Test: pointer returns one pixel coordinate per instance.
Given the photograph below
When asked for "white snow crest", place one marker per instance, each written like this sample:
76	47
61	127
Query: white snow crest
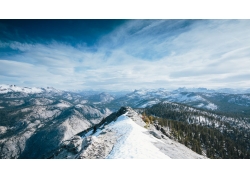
133	142
62	105
13	88
211	106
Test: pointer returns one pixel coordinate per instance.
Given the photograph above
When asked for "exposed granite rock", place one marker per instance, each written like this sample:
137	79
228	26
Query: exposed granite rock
155	134
91	147
74	144
99	147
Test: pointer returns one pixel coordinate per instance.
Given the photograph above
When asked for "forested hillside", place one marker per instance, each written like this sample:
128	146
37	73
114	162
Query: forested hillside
213	135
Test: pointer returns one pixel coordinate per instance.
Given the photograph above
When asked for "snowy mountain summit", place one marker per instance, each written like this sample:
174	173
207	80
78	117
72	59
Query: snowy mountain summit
123	135
4	89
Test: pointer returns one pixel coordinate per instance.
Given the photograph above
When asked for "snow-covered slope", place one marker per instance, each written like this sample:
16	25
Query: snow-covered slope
133	141
101	98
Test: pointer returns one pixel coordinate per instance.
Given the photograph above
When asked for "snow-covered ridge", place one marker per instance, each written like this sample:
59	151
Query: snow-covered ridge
134	141
124	137
29	90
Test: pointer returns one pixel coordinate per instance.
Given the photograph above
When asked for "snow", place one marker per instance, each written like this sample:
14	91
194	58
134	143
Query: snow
246	97
13	88
84	101
15	102
96	102
133	142
79	106
41	101
208	106
211	106
62	105
243	100
200	105
180	97
141	92
74	125
29	90
123	138
150	103
3	129
202	119
51	89
39	112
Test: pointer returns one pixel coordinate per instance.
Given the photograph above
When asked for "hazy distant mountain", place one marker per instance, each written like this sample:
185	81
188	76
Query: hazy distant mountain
221	102
222	90
101	98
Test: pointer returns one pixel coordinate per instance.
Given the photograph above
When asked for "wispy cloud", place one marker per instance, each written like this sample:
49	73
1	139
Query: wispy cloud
139	54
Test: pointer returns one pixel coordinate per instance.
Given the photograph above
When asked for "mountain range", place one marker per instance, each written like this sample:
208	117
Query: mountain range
51	123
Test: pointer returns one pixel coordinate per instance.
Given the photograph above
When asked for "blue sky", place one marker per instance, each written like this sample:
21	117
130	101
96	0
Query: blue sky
125	54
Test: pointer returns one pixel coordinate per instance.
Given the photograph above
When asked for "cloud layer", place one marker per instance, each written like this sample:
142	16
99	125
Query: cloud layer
138	54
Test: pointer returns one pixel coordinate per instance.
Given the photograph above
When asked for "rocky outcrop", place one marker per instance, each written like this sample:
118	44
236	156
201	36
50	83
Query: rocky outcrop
68	149
155	134
99	147
91	147
137	118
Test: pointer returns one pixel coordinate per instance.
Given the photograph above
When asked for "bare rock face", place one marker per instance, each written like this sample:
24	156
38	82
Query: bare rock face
73	145
155	134
68	149
99	147
90	147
